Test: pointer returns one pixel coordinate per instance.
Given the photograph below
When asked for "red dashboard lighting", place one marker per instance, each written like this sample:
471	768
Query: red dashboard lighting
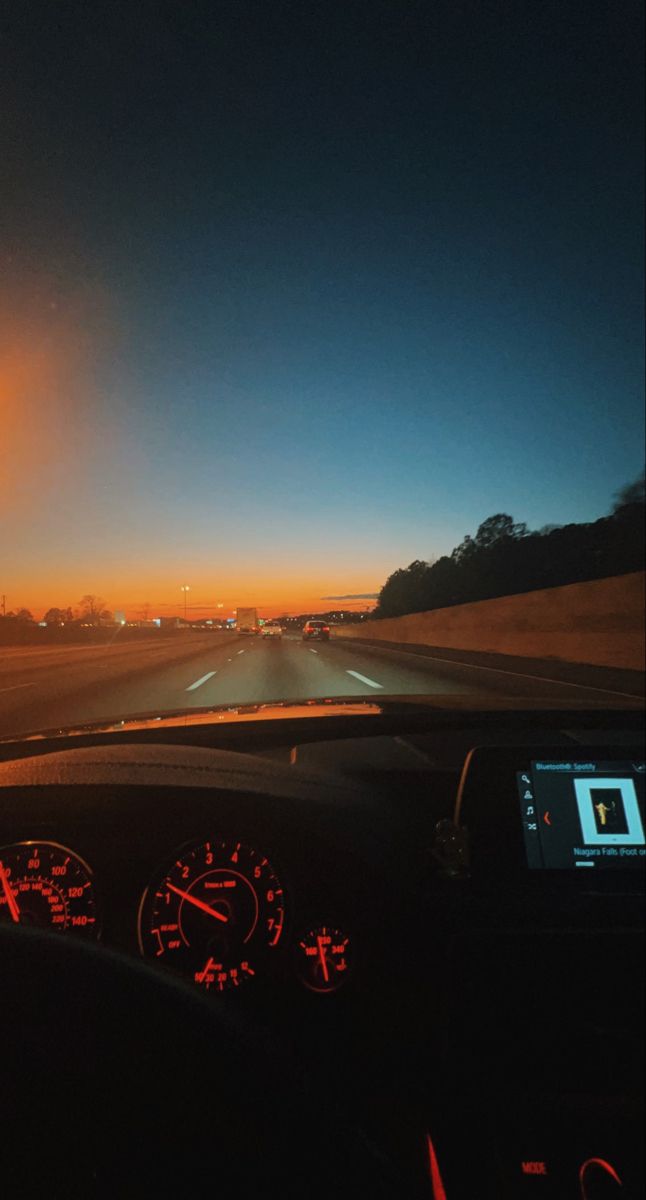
603	1166
534	1167
437	1185
10	898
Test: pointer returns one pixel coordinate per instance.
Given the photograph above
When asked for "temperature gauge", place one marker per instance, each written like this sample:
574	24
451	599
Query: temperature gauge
323	958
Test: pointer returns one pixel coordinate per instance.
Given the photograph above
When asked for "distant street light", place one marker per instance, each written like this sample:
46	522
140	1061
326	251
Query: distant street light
186	589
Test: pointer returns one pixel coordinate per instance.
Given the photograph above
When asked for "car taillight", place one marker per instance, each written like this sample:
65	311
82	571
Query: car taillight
326	629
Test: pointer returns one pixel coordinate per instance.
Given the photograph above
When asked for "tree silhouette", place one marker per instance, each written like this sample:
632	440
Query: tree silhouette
464	551
633	495
92	608
497	529
58	616
24	616
504	558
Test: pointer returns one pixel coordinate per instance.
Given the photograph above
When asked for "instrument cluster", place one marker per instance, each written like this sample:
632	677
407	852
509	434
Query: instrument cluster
215	912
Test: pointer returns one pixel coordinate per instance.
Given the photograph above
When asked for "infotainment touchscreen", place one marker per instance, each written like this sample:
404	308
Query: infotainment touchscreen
587	816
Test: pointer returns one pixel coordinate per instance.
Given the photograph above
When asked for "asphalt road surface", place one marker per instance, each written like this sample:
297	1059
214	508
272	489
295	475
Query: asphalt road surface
44	689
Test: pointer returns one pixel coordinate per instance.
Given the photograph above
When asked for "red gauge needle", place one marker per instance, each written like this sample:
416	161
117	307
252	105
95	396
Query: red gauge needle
11	899
198	903
201	975
326	973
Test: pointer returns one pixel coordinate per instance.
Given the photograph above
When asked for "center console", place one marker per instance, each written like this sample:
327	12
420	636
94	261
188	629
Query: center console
552	938
536	818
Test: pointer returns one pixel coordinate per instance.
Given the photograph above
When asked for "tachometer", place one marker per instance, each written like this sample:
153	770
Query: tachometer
214	914
42	883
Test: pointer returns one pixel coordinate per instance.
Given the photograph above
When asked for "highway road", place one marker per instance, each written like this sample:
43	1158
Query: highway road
42	689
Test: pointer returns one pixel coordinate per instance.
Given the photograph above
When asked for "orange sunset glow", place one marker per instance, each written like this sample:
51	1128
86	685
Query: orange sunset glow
270	597
75	481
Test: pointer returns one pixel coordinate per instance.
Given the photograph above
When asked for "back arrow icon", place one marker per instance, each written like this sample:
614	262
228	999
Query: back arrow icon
546	818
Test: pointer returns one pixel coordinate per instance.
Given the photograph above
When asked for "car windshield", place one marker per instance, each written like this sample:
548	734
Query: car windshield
326	313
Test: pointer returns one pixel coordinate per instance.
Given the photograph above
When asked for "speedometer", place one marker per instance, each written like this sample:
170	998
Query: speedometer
214	914
42	883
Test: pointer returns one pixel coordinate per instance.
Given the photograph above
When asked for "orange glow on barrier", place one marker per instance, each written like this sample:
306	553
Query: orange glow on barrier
437	1185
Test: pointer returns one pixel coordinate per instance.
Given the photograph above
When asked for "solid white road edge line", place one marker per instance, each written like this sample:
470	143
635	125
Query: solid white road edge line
453	662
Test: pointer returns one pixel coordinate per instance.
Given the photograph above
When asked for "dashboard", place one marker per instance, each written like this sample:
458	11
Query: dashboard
456	925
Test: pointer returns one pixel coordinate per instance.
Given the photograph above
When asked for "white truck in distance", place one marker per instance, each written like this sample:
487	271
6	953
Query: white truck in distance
247	620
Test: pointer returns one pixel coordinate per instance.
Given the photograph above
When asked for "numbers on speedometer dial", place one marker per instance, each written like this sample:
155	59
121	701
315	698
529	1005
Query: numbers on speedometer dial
214	914
44	884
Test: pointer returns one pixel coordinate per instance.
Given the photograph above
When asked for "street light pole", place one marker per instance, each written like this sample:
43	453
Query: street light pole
185	589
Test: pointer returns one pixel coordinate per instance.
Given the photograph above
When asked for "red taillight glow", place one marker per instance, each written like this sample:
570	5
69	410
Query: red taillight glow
326	629
437	1186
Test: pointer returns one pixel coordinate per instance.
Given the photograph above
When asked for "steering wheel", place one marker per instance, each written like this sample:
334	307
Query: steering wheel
116	1079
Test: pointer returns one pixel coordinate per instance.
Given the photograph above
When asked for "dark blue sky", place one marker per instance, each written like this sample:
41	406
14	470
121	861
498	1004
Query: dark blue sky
371	271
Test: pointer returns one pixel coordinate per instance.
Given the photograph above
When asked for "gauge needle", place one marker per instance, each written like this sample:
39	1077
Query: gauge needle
198	903
201	975
11	899
326	973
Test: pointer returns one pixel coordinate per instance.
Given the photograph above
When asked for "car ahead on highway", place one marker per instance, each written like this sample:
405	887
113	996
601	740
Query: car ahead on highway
316	630
272	630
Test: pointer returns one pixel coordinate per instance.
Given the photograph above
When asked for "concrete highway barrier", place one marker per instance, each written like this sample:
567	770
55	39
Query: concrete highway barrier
600	623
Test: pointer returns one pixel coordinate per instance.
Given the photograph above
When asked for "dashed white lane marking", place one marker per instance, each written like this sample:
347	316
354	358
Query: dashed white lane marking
240	651
312	651
198	682
14	687
364	679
